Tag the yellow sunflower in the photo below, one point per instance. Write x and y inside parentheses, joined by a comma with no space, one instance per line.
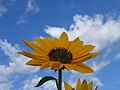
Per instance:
(80,86)
(60,53)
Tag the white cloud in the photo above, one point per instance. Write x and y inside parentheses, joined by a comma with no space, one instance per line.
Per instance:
(30,83)
(117,56)
(89,77)
(5,86)
(21,21)
(32,7)
(3,10)
(16,65)
(54,31)
(16,61)
(97,66)
(92,30)
(99,31)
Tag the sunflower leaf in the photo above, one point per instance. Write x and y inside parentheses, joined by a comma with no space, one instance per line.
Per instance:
(45,79)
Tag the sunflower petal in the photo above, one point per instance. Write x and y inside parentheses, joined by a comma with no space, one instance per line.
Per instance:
(75,46)
(83,50)
(32,45)
(78,86)
(84,58)
(83,68)
(67,86)
(35,62)
(84,85)
(50,43)
(46,65)
(56,66)
(64,41)
(76,39)
(90,85)
(42,45)
(70,66)
(34,55)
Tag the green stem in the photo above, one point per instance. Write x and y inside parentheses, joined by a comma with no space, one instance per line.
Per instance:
(60,79)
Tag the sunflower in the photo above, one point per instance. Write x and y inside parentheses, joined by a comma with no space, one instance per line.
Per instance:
(60,53)
(80,86)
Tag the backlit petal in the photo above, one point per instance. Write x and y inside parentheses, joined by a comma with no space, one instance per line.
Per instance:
(67,86)
(35,55)
(42,44)
(84,85)
(46,65)
(78,86)
(32,45)
(50,43)
(85,50)
(70,66)
(56,66)
(83,68)
(64,40)
(35,62)
(90,85)
(84,58)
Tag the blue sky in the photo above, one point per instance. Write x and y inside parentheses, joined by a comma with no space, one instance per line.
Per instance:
(96,22)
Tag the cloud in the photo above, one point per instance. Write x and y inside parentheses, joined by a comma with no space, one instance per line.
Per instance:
(117,56)
(98,66)
(89,77)
(32,6)
(30,83)
(16,65)
(16,61)
(3,10)
(5,86)
(92,30)
(96,30)
(21,20)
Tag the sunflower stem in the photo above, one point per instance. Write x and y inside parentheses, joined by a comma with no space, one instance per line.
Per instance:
(60,79)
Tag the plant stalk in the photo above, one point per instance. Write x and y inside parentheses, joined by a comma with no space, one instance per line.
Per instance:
(60,79)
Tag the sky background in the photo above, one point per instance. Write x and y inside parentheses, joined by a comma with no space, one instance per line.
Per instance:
(96,22)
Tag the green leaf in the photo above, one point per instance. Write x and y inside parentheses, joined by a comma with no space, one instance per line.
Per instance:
(45,79)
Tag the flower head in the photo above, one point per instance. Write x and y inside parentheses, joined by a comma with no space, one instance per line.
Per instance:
(80,86)
(60,53)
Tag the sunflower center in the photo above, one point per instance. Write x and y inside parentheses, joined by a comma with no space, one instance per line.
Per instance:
(60,54)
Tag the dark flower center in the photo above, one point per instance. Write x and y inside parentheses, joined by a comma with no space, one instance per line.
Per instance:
(60,54)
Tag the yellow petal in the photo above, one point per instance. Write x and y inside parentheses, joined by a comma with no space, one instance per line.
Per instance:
(64,36)
(75,46)
(84,85)
(46,65)
(70,42)
(57,42)
(42,44)
(85,50)
(50,43)
(78,86)
(32,45)
(67,86)
(56,66)
(90,85)
(35,62)
(64,40)
(84,58)
(70,66)
(35,55)
(83,68)
(76,39)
